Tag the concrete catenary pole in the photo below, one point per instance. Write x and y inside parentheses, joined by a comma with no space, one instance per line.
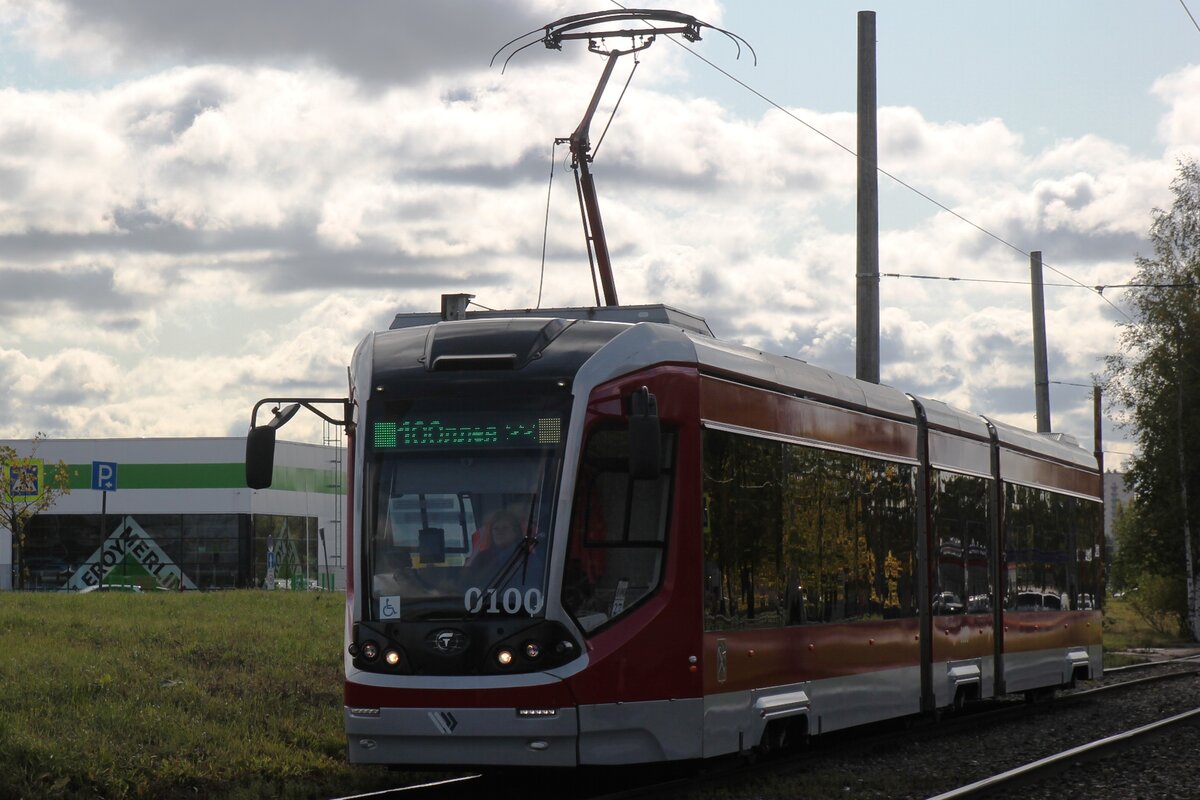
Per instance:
(1041,372)
(867,261)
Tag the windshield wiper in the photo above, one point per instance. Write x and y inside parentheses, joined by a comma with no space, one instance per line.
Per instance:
(531,539)
(527,545)
(509,569)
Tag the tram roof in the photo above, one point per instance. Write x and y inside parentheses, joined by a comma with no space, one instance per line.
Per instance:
(1062,446)
(946,417)
(785,373)
(795,376)
(627,314)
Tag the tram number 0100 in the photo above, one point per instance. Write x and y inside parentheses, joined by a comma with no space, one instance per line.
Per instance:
(509,601)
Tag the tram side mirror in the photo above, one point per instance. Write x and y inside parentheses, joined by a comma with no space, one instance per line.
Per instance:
(260,456)
(645,436)
(260,448)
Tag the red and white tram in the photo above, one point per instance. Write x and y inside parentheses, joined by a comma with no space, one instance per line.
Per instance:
(602,536)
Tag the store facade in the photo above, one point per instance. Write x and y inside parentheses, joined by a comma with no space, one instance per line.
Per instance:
(176,514)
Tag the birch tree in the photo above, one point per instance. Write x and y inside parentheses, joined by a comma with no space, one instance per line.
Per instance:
(1156,378)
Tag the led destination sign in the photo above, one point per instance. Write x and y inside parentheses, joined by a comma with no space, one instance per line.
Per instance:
(450,431)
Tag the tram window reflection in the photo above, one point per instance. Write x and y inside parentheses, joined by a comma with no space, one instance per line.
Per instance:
(800,535)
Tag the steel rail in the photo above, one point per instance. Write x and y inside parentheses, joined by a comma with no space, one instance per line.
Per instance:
(1008,709)
(1166,676)
(1060,761)
(383,794)
(733,768)
(1146,664)
(837,744)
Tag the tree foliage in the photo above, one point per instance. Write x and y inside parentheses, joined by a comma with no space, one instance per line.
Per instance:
(1156,592)
(27,487)
(1155,378)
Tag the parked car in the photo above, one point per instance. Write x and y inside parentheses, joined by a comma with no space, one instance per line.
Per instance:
(47,572)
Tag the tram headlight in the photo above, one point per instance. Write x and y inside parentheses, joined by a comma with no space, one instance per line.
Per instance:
(369,650)
(504,657)
(392,657)
(532,650)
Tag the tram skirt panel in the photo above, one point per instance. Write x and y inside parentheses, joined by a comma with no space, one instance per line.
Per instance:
(462,736)
(639,733)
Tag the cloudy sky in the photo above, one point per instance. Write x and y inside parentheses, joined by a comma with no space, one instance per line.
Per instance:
(202,204)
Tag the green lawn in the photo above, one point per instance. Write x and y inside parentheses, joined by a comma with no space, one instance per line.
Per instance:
(218,694)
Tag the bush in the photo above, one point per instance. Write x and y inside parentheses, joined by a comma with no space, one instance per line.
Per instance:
(1162,603)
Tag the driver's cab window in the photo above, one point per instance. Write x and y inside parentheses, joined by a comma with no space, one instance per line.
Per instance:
(433,528)
(618,530)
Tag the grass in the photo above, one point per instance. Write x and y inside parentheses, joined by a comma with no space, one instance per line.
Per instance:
(218,694)
(221,694)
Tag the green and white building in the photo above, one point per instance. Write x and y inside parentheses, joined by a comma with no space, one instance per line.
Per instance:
(176,514)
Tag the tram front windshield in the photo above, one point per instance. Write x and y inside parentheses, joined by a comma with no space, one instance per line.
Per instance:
(462,510)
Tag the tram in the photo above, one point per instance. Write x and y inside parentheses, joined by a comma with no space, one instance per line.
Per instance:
(603,536)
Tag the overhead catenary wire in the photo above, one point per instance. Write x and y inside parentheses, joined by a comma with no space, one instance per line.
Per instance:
(881,170)
(1076,283)
(1189,13)
(897,179)
(1098,288)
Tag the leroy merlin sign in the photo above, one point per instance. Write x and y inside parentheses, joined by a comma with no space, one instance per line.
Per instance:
(130,552)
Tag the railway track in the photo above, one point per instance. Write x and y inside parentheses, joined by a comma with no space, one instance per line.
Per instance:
(1050,766)
(804,773)
(795,769)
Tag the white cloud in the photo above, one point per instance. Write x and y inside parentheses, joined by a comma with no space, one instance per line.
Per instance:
(1180,126)
(224,230)
(374,41)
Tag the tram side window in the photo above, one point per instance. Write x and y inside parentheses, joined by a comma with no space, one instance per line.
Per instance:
(1036,528)
(798,535)
(618,530)
(963,572)
(746,577)
(1089,555)
(886,499)
(981,589)
(950,589)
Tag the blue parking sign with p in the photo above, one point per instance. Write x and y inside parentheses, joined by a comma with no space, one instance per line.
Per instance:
(104,476)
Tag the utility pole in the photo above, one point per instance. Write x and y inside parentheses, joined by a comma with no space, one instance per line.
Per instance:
(867,261)
(1041,372)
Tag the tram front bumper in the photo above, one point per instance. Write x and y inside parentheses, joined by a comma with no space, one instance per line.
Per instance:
(463,736)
